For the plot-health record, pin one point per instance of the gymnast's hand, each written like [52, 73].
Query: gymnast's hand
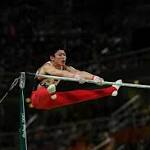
[98, 80]
[79, 78]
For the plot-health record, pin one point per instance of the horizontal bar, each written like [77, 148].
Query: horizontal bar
[61, 78]
[91, 81]
[127, 85]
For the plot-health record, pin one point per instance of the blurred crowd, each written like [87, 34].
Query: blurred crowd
[125, 129]
[27, 34]
[103, 41]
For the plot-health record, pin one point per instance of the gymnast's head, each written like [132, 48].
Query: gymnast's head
[58, 57]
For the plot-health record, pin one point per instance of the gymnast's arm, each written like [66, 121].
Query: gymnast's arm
[85, 75]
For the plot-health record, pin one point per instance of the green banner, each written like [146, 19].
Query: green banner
[22, 128]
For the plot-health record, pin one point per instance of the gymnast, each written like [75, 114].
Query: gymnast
[45, 96]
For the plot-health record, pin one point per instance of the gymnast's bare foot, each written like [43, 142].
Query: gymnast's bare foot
[117, 86]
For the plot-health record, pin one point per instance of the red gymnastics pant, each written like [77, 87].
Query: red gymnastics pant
[41, 98]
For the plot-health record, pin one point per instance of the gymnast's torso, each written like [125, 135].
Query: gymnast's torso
[47, 81]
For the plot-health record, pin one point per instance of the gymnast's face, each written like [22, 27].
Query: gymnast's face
[59, 58]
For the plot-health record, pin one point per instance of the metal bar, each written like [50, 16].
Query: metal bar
[92, 81]
[128, 85]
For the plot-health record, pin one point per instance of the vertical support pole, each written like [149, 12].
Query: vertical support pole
[22, 126]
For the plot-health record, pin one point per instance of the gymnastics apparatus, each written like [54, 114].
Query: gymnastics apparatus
[22, 79]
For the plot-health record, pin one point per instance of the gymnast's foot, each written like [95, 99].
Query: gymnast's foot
[117, 86]
[28, 100]
[52, 90]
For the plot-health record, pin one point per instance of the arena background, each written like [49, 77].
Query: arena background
[110, 38]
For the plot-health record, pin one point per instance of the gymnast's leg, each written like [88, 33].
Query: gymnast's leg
[41, 98]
